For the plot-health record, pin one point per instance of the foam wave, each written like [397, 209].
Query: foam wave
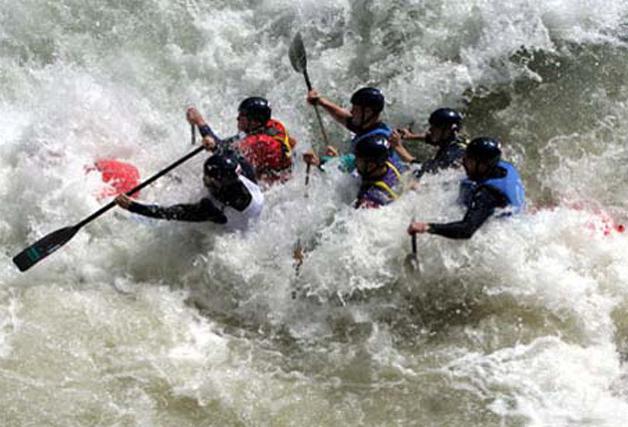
[483, 323]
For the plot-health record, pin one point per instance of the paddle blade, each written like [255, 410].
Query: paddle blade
[43, 247]
[297, 54]
[414, 245]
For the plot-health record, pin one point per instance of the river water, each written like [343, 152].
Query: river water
[147, 323]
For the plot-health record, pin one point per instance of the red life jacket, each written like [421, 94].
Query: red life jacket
[269, 151]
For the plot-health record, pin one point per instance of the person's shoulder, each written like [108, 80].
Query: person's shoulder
[383, 126]
[489, 196]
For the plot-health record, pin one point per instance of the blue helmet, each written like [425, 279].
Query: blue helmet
[369, 97]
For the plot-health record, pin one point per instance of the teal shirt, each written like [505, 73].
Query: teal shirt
[347, 162]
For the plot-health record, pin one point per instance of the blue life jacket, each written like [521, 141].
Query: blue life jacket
[510, 186]
[382, 129]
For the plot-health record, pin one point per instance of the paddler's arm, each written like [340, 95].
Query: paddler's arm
[408, 135]
[204, 210]
[194, 117]
[346, 162]
[482, 207]
[395, 144]
[338, 113]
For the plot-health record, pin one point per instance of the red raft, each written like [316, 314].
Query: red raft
[120, 177]
[600, 221]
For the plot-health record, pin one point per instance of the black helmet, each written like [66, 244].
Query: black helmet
[485, 149]
[255, 108]
[373, 148]
[221, 166]
[369, 97]
[445, 117]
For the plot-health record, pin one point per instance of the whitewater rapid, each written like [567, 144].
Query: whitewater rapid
[158, 323]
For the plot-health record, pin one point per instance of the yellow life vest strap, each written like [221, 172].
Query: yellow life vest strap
[285, 141]
[276, 134]
[386, 187]
[394, 169]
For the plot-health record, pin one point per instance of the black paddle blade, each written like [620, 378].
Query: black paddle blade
[43, 247]
[297, 54]
[412, 260]
[414, 245]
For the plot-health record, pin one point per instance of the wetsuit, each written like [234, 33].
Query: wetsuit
[203, 210]
[447, 156]
[211, 208]
[500, 190]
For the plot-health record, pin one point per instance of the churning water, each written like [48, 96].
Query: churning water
[157, 323]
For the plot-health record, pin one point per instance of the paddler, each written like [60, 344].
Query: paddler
[445, 126]
[380, 178]
[232, 200]
[265, 144]
[492, 186]
[364, 120]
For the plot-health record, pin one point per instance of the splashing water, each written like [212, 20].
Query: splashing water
[156, 323]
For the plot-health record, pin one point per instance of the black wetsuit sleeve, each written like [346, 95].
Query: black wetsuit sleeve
[204, 210]
[483, 205]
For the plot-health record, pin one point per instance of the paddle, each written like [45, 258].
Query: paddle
[411, 259]
[414, 246]
[298, 59]
[53, 241]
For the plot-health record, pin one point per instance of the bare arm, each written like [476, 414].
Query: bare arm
[338, 113]
[408, 135]
[395, 143]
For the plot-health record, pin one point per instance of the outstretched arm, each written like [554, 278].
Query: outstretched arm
[203, 210]
[194, 117]
[482, 207]
[396, 144]
[338, 113]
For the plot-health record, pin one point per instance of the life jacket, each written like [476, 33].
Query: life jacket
[386, 184]
[381, 129]
[347, 161]
[268, 150]
[509, 186]
[240, 220]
